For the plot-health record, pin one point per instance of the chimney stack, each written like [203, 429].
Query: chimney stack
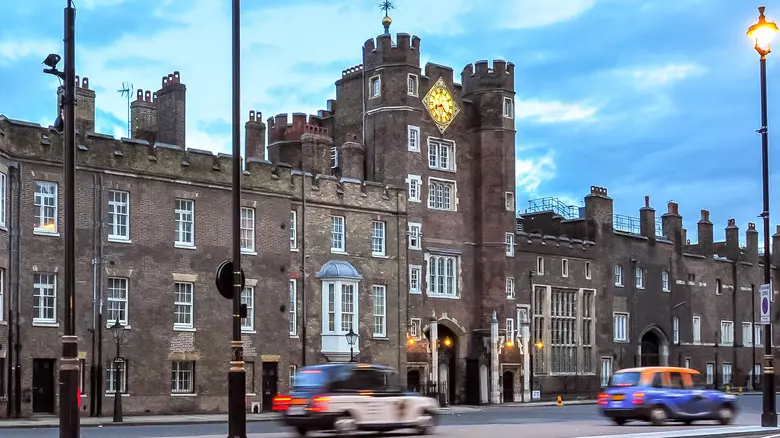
[599, 207]
[352, 157]
[751, 237]
[143, 116]
[671, 222]
[255, 136]
[171, 106]
[85, 107]
[705, 232]
[732, 240]
[316, 145]
[647, 220]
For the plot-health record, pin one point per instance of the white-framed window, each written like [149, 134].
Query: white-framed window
[587, 271]
[564, 338]
[340, 306]
[111, 377]
[443, 275]
[247, 230]
[756, 371]
[710, 373]
[509, 108]
[415, 328]
[606, 370]
[184, 306]
[509, 201]
[378, 242]
[509, 244]
[619, 275]
[379, 301]
[620, 323]
[441, 194]
[248, 298]
[293, 229]
[414, 188]
[676, 330]
[510, 287]
[3, 198]
[293, 307]
[718, 287]
[564, 267]
[184, 213]
[639, 275]
[46, 207]
[540, 266]
[118, 215]
[441, 155]
[337, 234]
[726, 373]
[375, 86]
[45, 298]
[726, 333]
[415, 235]
[411, 84]
[117, 301]
[183, 377]
[665, 281]
[696, 329]
[747, 334]
[757, 330]
[510, 329]
[415, 279]
[413, 138]
[687, 362]
[291, 377]
[334, 157]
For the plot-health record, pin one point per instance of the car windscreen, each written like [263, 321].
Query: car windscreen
[624, 379]
[310, 378]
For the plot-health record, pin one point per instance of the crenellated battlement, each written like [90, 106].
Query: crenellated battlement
[98, 151]
[280, 130]
[480, 76]
[382, 51]
[352, 70]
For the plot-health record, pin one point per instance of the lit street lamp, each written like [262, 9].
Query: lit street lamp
[351, 340]
[118, 331]
[762, 33]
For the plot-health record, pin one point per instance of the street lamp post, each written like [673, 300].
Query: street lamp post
[351, 340]
[118, 330]
[762, 33]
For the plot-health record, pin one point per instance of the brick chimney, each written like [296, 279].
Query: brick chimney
[316, 149]
[171, 114]
[255, 136]
[85, 107]
[751, 237]
[732, 240]
[599, 207]
[143, 116]
[647, 220]
[705, 232]
[671, 222]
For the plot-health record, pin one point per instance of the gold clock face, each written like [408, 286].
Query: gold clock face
[441, 105]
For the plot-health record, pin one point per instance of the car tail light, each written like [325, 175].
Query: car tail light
[281, 403]
[602, 398]
[320, 404]
[639, 398]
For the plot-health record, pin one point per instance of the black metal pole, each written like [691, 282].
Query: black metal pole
[118, 384]
[351, 353]
[769, 415]
[753, 336]
[69, 363]
[237, 374]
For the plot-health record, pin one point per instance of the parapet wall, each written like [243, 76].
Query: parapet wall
[382, 51]
[480, 76]
[33, 142]
[280, 130]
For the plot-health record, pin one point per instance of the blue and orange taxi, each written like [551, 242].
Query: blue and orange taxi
[658, 394]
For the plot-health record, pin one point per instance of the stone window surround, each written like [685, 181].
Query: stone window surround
[453, 193]
[415, 91]
[38, 230]
[124, 201]
[450, 146]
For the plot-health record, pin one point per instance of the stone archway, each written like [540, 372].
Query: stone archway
[653, 347]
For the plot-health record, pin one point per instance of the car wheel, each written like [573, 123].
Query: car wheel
[301, 431]
[725, 414]
[619, 421]
[345, 425]
[658, 415]
[426, 423]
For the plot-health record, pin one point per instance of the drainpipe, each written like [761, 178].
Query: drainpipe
[99, 281]
[16, 248]
[634, 335]
[735, 282]
[532, 331]
[753, 333]
[401, 334]
[303, 262]
[12, 334]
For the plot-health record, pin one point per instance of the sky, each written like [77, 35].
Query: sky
[654, 98]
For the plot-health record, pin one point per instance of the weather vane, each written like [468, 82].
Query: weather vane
[126, 91]
[386, 6]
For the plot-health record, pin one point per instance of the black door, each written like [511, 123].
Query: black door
[43, 386]
[413, 380]
[509, 386]
[270, 380]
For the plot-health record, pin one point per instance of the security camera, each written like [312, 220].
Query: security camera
[52, 60]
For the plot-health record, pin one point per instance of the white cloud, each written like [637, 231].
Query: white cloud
[525, 14]
[659, 76]
[14, 49]
[533, 171]
[541, 111]
[92, 4]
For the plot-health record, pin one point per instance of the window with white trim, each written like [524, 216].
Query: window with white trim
[747, 334]
[291, 375]
[509, 244]
[676, 330]
[337, 234]
[183, 377]
[564, 267]
[46, 207]
[509, 110]
[726, 333]
[3, 198]
[411, 84]
[293, 307]
[184, 306]
[117, 301]
[378, 243]
[375, 86]
[710, 374]
[587, 271]
[340, 304]
[379, 301]
[184, 213]
[509, 201]
[414, 188]
[247, 230]
[111, 376]
[665, 281]
[118, 215]
[510, 329]
[639, 275]
[564, 353]
[443, 275]
[293, 229]
[757, 331]
[441, 194]
[45, 298]
[619, 275]
[620, 325]
[415, 235]
[588, 329]
[415, 278]
[415, 328]
[540, 321]
[540, 266]
[334, 157]
[726, 373]
[696, 330]
[510, 287]
[248, 298]
[441, 155]
[413, 138]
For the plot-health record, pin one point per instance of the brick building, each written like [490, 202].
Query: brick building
[392, 212]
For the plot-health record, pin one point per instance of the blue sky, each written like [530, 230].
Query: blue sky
[644, 97]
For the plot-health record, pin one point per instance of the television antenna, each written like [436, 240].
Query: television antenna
[127, 91]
